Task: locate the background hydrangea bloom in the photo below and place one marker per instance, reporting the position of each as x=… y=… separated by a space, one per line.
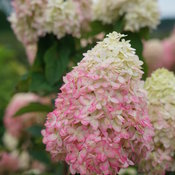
x=137 y=13
x=107 y=11
x=28 y=20
x=67 y=17
x=10 y=141
x=153 y=53
x=160 y=53
x=8 y=163
x=161 y=98
x=17 y=161
x=100 y=122
x=32 y=19
x=15 y=125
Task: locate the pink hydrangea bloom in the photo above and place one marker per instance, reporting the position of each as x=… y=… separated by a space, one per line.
x=8 y=163
x=159 y=53
x=15 y=125
x=100 y=123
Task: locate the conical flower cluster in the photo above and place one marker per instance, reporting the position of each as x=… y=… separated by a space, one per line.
x=161 y=98
x=100 y=123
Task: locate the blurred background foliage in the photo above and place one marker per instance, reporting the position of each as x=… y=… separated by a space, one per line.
x=12 y=64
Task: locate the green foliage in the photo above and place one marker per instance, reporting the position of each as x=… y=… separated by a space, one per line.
x=119 y=25
x=33 y=107
x=35 y=130
x=10 y=71
x=50 y=65
x=40 y=155
x=56 y=60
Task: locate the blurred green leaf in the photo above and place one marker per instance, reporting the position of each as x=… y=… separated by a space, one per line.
x=44 y=44
x=144 y=33
x=23 y=84
x=50 y=64
x=60 y=169
x=119 y=25
x=10 y=70
x=33 y=107
x=35 y=130
x=56 y=60
x=40 y=155
x=39 y=84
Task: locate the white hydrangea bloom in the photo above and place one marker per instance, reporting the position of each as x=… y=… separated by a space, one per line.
x=107 y=11
x=67 y=17
x=32 y=19
x=61 y=18
x=27 y=20
x=137 y=13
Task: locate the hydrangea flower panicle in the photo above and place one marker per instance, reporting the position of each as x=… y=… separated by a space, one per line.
x=137 y=14
x=161 y=96
x=100 y=123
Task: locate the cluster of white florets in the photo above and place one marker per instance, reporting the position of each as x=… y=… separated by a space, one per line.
x=136 y=13
x=32 y=19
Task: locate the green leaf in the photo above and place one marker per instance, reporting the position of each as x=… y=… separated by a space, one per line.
x=144 y=33
x=39 y=84
x=57 y=59
x=60 y=168
x=44 y=44
x=23 y=84
x=119 y=25
x=35 y=130
x=40 y=155
x=33 y=107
